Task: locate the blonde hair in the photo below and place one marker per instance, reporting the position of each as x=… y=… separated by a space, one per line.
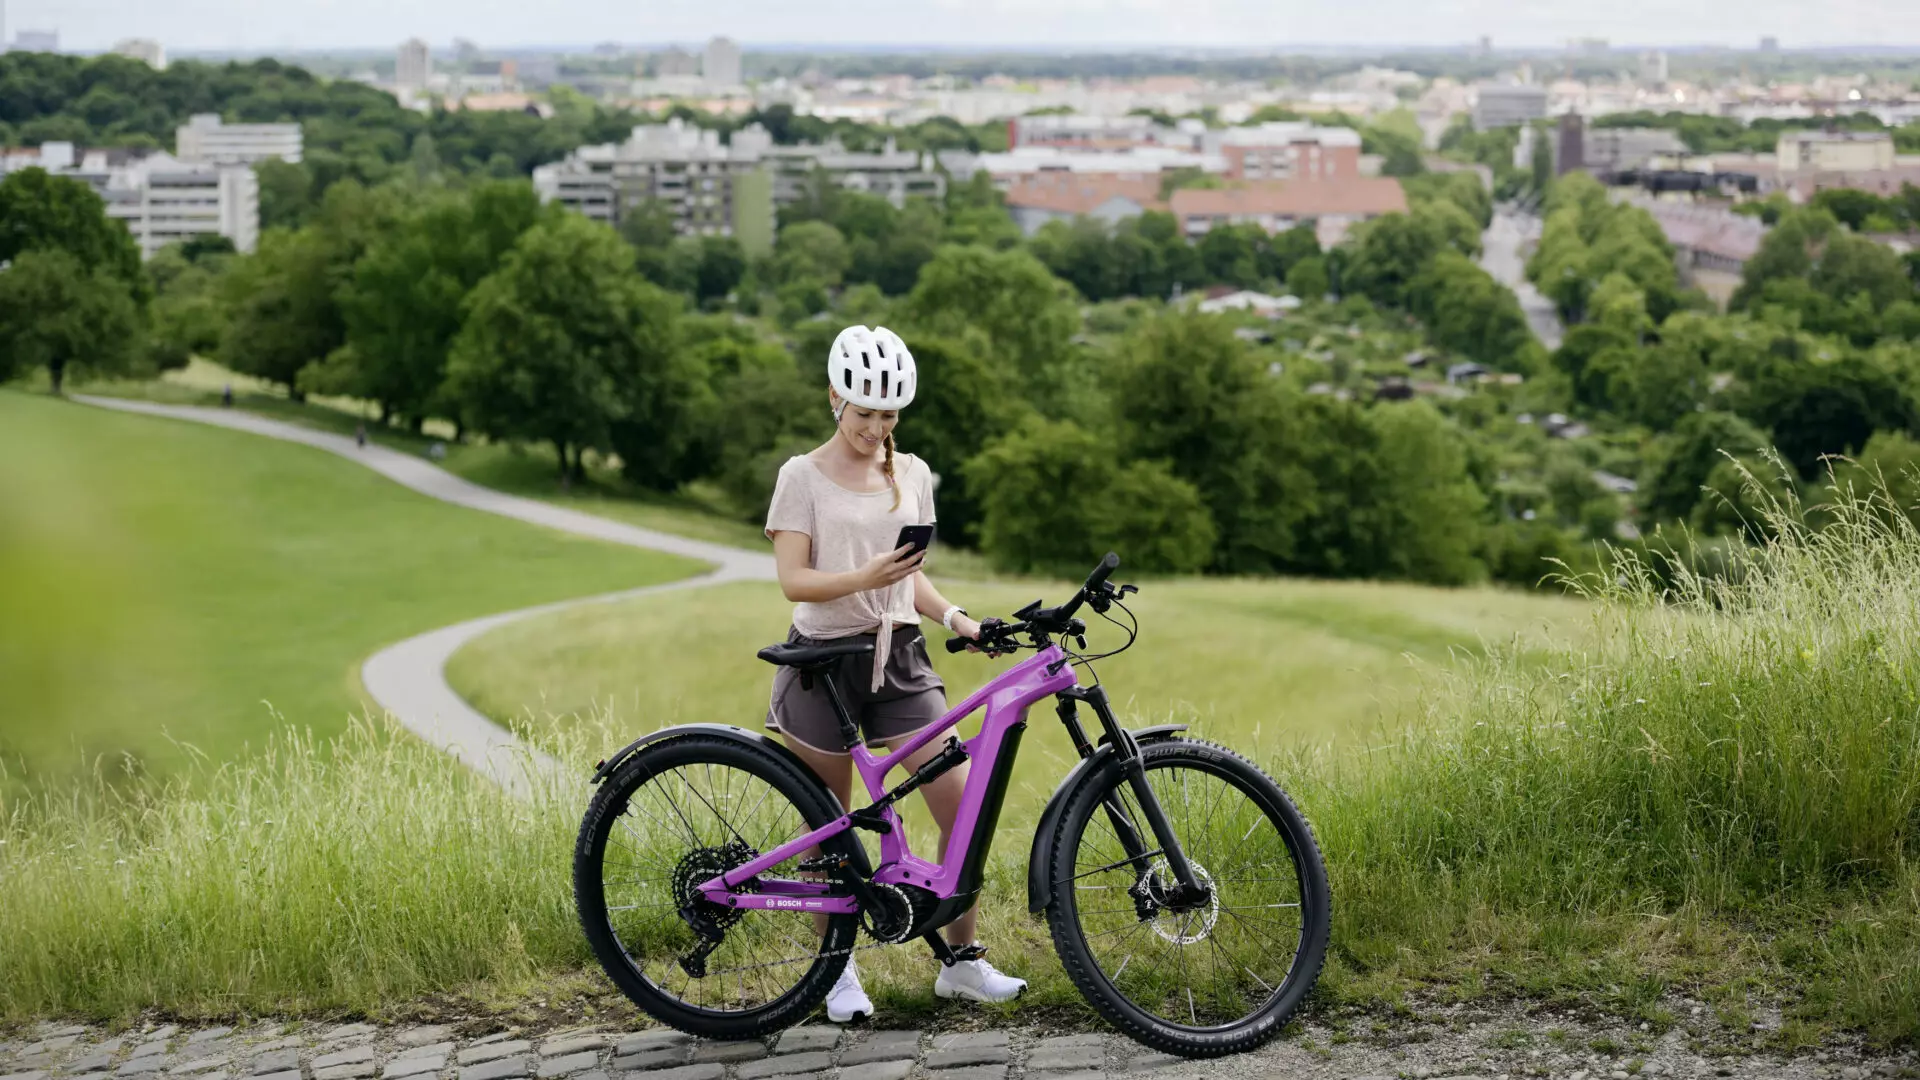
x=887 y=467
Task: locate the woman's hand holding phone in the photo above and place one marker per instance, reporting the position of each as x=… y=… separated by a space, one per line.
x=891 y=567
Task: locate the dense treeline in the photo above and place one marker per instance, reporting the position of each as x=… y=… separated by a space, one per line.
x=1706 y=134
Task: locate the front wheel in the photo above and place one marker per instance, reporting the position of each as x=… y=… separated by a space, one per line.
x=1198 y=977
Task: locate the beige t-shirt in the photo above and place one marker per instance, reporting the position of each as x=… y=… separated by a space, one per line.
x=849 y=528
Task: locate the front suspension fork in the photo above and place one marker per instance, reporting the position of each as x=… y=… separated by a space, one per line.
x=1124 y=828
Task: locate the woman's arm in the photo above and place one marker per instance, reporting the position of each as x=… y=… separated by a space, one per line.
x=928 y=602
x=793 y=561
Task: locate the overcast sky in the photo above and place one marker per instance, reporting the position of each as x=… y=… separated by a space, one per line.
x=307 y=24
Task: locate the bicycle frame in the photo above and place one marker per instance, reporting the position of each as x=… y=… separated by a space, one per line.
x=1006 y=699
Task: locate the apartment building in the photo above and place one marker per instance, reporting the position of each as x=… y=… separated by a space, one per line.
x=413 y=66
x=1287 y=151
x=890 y=172
x=721 y=65
x=1062 y=196
x=707 y=188
x=725 y=189
x=161 y=199
x=205 y=139
x=1084 y=132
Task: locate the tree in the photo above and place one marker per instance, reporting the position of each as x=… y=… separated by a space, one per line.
x=283 y=302
x=286 y=193
x=1055 y=498
x=1467 y=311
x=43 y=212
x=1422 y=516
x=961 y=405
x=402 y=306
x=1829 y=408
x=1684 y=459
x=57 y=313
x=563 y=343
x=1021 y=313
x=1308 y=279
x=1187 y=393
x=187 y=316
x=813 y=251
x=1393 y=249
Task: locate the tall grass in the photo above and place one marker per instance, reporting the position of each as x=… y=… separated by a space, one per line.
x=1716 y=790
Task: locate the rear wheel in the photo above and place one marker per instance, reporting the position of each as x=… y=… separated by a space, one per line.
x=677 y=813
x=1200 y=977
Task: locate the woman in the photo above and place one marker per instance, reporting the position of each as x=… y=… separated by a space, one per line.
x=835 y=515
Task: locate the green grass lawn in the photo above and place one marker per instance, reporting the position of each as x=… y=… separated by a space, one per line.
x=165 y=583
x=1262 y=666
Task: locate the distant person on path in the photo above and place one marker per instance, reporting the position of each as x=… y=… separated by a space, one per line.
x=226 y=395
x=438 y=451
x=835 y=517
x=360 y=434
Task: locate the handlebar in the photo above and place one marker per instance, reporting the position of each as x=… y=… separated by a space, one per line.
x=1058 y=620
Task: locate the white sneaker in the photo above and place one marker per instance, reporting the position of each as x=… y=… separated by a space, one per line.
x=846 y=1000
x=978 y=980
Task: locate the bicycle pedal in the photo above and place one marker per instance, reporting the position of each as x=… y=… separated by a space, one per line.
x=823 y=864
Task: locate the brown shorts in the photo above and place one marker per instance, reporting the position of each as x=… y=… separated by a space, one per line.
x=911 y=697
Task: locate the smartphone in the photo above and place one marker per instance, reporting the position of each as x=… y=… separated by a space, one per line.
x=918 y=535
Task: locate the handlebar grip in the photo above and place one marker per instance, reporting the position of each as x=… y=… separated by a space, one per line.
x=958 y=644
x=1100 y=573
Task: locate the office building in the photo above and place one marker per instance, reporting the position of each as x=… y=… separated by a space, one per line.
x=1080 y=131
x=1505 y=106
x=1653 y=66
x=145 y=50
x=37 y=41
x=414 y=65
x=1769 y=44
x=205 y=139
x=161 y=199
x=721 y=66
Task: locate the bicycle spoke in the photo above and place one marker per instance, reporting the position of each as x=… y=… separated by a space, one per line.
x=1192 y=964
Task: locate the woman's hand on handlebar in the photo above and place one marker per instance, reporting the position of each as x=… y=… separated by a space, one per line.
x=967 y=636
x=889 y=568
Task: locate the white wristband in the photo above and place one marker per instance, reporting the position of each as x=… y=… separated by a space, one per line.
x=946 y=619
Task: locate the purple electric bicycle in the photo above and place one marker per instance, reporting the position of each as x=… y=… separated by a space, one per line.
x=723 y=886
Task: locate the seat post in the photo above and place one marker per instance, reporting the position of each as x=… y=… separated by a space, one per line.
x=849 y=731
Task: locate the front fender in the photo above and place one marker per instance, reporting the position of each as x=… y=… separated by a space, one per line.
x=1039 y=885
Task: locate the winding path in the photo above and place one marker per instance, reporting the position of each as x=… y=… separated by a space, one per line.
x=408 y=679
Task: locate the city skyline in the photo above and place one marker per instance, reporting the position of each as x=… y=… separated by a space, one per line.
x=238 y=25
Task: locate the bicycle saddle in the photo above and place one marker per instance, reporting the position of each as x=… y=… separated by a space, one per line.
x=793 y=654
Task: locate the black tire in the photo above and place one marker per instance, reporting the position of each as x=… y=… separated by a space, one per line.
x=643 y=965
x=1074 y=860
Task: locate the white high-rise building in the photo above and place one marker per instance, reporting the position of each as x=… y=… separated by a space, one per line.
x=146 y=50
x=415 y=65
x=204 y=138
x=722 y=66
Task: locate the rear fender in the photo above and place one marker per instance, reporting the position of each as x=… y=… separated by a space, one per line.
x=1039 y=886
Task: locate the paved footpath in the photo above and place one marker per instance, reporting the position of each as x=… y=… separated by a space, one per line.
x=1496 y=1043
x=408 y=679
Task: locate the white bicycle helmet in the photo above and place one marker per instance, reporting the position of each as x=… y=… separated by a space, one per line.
x=872 y=368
